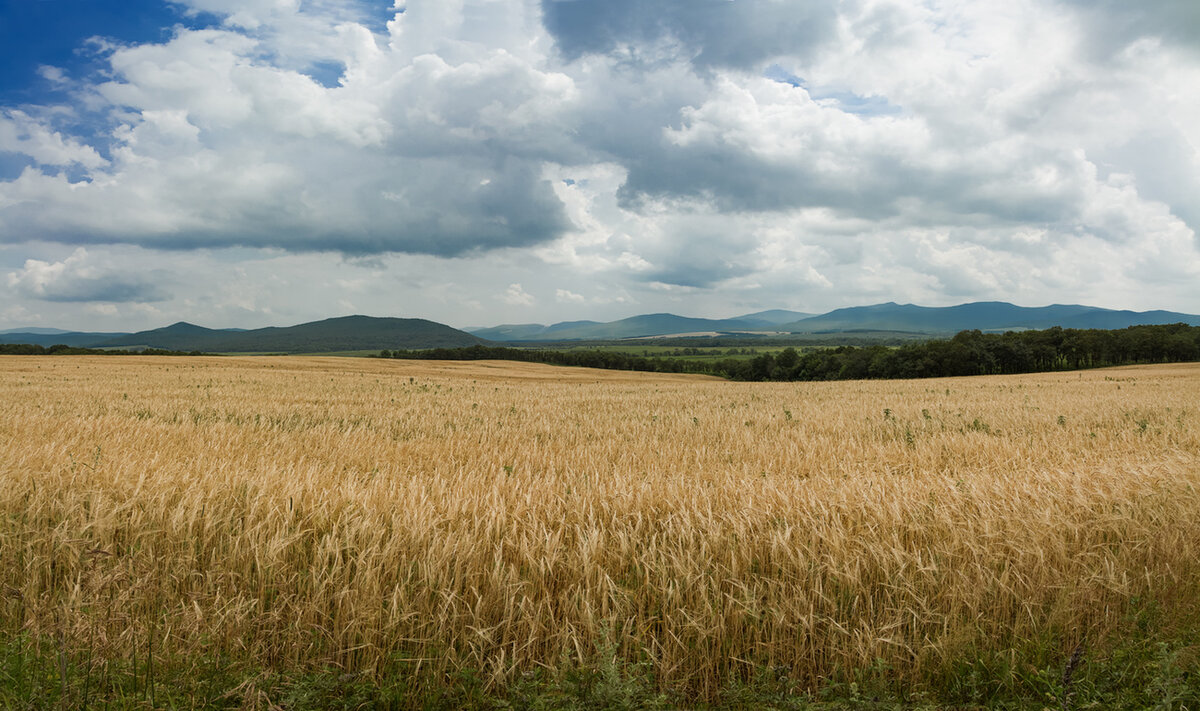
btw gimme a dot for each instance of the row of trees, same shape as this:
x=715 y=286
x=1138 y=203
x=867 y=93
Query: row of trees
x=968 y=353
x=607 y=360
x=976 y=353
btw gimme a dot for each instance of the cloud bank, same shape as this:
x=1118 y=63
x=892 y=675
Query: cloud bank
x=621 y=153
x=78 y=279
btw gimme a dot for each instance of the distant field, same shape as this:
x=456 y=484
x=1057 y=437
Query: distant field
x=488 y=525
x=676 y=352
x=760 y=342
x=324 y=354
x=685 y=352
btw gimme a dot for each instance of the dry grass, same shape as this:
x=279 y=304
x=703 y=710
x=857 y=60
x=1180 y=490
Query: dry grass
x=504 y=516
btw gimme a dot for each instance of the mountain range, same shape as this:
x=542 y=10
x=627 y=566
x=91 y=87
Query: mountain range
x=983 y=315
x=643 y=326
x=348 y=333
x=364 y=333
x=932 y=321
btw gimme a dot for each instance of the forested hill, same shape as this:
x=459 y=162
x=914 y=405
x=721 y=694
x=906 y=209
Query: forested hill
x=55 y=337
x=996 y=316
x=358 y=333
x=968 y=353
x=348 y=333
x=930 y=321
x=633 y=327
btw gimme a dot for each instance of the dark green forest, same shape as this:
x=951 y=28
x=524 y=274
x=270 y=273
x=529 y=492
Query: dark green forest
x=967 y=353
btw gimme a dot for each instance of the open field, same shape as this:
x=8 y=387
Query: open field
x=700 y=353
x=442 y=521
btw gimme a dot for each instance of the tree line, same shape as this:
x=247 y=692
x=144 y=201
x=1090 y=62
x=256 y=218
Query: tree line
x=607 y=360
x=967 y=353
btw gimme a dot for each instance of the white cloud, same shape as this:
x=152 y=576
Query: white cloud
x=52 y=74
x=515 y=295
x=102 y=309
x=81 y=278
x=20 y=133
x=752 y=153
x=220 y=141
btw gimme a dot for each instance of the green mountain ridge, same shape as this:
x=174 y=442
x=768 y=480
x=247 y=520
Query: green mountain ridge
x=642 y=326
x=364 y=333
x=983 y=315
x=40 y=337
x=887 y=317
x=35 y=330
x=346 y=333
x=776 y=317
x=530 y=331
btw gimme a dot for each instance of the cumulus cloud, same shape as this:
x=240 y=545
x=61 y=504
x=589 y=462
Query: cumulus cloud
x=567 y=296
x=221 y=140
x=20 y=133
x=516 y=295
x=1115 y=25
x=78 y=278
x=766 y=153
x=706 y=32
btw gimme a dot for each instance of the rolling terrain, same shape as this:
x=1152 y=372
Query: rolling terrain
x=632 y=327
x=50 y=337
x=336 y=334
x=878 y=319
x=985 y=316
x=363 y=333
x=435 y=535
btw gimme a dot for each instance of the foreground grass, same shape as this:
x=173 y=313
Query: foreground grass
x=41 y=674
x=303 y=533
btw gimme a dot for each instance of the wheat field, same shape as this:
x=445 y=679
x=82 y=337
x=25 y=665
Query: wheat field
x=506 y=517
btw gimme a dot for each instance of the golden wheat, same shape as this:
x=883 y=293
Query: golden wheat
x=502 y=516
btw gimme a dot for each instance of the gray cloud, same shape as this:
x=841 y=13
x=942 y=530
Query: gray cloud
x=76 y=279
x=976 y=149
x=716 y=33
x=764 y=153
x=1114 y=24
x=217 y=148
x=871 y=169
x=700 y=251
x=450 y=211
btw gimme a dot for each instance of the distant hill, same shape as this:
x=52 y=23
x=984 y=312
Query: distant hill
x=642 y=326
x=365 y=333
x=774 y=317
x=984 y=315
x=1122 y=319
x=879 y=318
x=348 y=333
x=35 y=330
x=530 y=331
x=659 y=325
x=52 y=337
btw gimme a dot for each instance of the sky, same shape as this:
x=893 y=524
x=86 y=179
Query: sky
x=244 y=163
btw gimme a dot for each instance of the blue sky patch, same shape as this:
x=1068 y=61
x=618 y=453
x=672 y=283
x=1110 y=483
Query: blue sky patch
x=841 y=99
x=55 y=32
x=327 y=74
x=11 y=165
